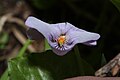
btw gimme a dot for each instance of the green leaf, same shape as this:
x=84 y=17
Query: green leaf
x=20 y=69
x=116 y=3
x=61 y=66
x=46 y=66
x=5 y=76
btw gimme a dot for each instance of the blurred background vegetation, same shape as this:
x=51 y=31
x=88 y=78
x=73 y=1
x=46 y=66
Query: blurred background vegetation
x=99 y=16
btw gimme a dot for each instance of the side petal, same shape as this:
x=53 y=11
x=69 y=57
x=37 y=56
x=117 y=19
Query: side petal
x=42 y=27
x=83 y=37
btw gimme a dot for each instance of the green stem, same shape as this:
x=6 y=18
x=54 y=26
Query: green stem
x=23 y=49
x=79 y=61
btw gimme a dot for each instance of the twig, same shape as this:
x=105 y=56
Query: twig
x=14 y=52
x=19 y=8
x=93 y=78
x=3 y=19
x=110 y=69
x=9 y=18
x=17 y=20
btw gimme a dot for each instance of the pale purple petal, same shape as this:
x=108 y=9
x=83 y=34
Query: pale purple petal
x=60 y=52
x=44 y=28
x=61 y=27
x=64 y=28
x=55 y=33
x=83 y=37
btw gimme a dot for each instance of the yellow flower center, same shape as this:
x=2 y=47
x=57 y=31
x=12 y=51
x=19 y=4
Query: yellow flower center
x=61 y=40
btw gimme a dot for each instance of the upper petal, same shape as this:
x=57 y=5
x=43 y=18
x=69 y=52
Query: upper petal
x=42 y=27
x=64 y=28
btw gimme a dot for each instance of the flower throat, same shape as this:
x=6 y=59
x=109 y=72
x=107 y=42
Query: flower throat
x=61 y=40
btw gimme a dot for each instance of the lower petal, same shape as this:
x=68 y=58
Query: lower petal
x=59 y=52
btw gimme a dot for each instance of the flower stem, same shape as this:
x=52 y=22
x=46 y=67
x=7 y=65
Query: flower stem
x=79 y=61
x=23 y=49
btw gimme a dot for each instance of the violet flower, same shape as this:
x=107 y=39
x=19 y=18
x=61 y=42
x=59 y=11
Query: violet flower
x=62 y=37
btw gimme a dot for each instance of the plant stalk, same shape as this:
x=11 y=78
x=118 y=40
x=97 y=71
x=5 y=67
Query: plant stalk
x=79 y=61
